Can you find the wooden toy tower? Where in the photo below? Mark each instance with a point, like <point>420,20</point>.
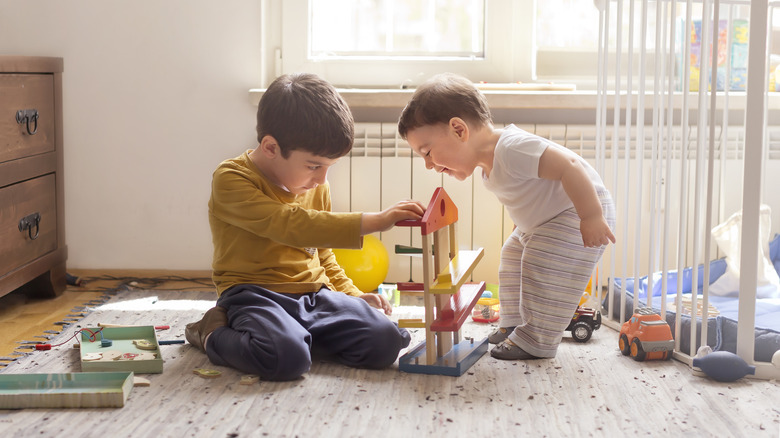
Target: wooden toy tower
<point>447,298</point>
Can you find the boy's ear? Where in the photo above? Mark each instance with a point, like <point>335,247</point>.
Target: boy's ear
<point>269,146</point>
<point>460,128</point>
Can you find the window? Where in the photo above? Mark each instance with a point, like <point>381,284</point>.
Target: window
<point>392,43</point>
<point>402,42</point>
<point>386,29</point>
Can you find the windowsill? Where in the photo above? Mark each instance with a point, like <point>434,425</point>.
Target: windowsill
<point>497,99</point>
<point>527,99</point>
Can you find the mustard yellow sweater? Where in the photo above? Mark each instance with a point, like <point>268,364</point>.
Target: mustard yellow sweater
<point>266,236</point>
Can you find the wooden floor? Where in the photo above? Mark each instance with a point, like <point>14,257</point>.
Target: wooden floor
<point>24,320</point>
<point>588,389</point>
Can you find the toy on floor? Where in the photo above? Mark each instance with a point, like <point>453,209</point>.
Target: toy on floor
<point>723,366</point>
<point>584,322</point>
<point>206,373</point>
<point>486,310</point>
<point>92,337</point>
<point>368,266</point>
<point>140,381</point>
<point>646,336</point>
<point>447,298</point>
<point>249,379</point>
<point>586,319</point>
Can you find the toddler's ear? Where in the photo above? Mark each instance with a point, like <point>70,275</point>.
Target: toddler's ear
<point>460,128</point>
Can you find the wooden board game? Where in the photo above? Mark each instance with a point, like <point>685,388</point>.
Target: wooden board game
<point>133,349</point>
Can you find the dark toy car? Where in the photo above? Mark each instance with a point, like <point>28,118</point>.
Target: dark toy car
<point>583,323</point>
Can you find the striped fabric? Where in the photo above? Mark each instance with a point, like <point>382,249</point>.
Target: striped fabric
<point>542,276</point>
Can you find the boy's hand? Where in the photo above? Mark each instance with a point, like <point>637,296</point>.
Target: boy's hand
<point>596,232</point>
<point>378,301</point>
<point>386,219</point>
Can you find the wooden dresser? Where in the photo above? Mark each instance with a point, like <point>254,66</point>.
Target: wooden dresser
<point>32,231</point>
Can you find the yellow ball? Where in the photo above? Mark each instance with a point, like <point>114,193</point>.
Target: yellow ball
<point>367,267</point>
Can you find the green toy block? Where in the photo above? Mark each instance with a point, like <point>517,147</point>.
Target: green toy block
<point>68,390</point>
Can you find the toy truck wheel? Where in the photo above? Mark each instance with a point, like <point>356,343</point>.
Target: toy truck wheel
<point>625,347</point>
<point>636,350</point>
<point>581,331</point>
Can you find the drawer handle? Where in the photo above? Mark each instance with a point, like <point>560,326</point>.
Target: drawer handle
<point>30,221</point>
<point>26,117</point>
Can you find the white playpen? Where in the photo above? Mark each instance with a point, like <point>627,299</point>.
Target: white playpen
<point>677,161</point>
<point>694,123</point>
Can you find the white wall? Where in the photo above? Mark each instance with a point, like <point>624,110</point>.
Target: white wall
<point>155,96</point>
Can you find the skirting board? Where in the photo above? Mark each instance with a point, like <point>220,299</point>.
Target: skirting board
<point>455,363</point>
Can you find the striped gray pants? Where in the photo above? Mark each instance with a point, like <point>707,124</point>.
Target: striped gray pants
<point>542,276</point>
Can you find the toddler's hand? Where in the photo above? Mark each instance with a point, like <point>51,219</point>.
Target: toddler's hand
<point>596,232</point>
<point>386,219</point>
<point>378,301</point>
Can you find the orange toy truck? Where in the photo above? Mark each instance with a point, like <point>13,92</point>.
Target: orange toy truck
<point>646,336</point>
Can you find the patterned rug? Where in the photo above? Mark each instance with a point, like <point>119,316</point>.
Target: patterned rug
<point>581,392</point>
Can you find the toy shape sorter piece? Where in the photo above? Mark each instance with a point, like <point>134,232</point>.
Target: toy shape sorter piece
<point>646,336</point>
<point>447,298</point>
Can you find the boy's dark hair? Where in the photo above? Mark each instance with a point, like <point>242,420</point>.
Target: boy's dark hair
<point>304,112</point>
<point>441,98</point>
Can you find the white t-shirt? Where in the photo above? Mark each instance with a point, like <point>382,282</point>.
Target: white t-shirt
<point>529,200</point>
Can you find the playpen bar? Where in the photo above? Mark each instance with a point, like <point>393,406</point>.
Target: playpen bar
<point>725,122</point>
<point>601,115</point>
<point>770,14</point>
<point>658,113</point>
<point>701,131</point>
<point>640,144</point>
<point>628,143</point>
<point>683,175</point>
<point>752,177</point>
<point>668,158</point>
<point>615,141</point>
<point>710,174</point>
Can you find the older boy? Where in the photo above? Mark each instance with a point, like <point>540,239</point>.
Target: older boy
<point>281,291</point>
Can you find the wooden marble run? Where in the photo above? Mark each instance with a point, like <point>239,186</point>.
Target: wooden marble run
<point>448,299</point>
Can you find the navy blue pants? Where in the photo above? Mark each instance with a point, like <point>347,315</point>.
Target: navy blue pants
<point>273,334</point>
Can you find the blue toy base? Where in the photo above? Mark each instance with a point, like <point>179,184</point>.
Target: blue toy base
<point>455,363</point>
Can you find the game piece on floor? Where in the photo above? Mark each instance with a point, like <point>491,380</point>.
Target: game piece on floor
<point>140,381</point>
<point>207,374</point>
<point>249,379</point>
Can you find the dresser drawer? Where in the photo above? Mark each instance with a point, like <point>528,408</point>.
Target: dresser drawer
<point>21,200</point>
<point>32,94</point>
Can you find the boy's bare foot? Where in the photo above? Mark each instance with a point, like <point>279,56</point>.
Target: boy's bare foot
<point>197,332</point>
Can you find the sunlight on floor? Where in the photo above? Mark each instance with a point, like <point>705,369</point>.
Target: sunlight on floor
<point>154,303</point>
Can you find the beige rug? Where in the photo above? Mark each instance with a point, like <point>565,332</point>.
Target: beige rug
<point>587,390</point>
